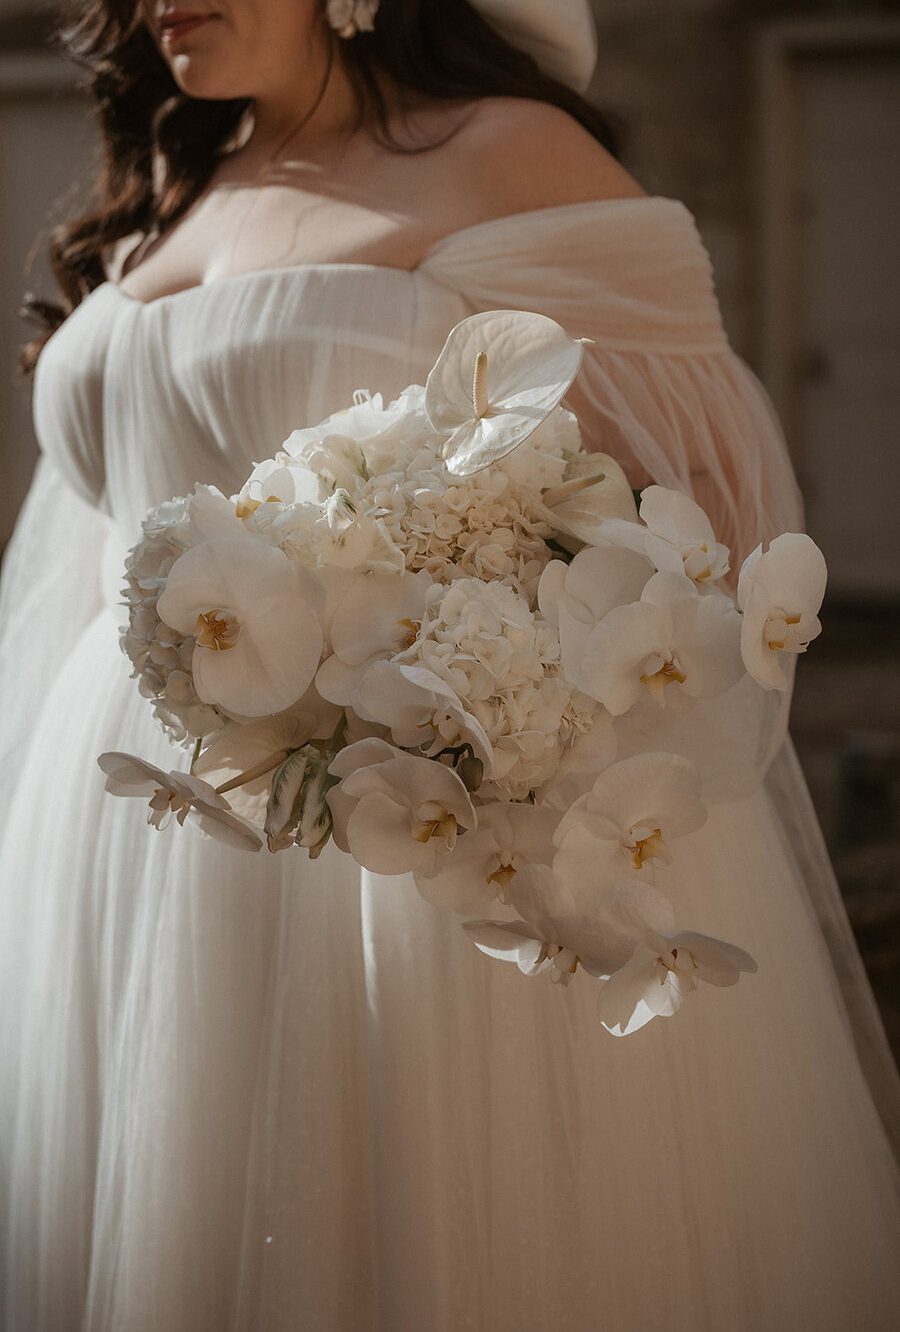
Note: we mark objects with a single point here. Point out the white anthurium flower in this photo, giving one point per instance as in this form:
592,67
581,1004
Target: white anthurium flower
510,839
178,794
577,597
500,374
593,491
277,480
673,643
421,710
662,972
624,825
378,616
676,535
780,592
254,615
395,812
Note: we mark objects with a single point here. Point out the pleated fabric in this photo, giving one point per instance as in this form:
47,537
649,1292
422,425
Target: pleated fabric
267,1093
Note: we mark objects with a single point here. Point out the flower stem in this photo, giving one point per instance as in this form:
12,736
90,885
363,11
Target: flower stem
258,770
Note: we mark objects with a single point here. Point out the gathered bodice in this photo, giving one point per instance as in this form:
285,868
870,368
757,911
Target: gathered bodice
137,401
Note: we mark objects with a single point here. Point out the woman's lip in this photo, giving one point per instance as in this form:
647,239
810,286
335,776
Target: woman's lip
173,32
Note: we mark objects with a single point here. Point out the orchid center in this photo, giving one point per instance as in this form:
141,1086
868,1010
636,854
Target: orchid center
431,820
218,630
165,801
411,633
668,673
563,963
643,844
503,876
678,962
781,633
247,506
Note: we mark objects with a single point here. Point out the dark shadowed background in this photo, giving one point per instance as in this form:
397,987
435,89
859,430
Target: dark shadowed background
777,124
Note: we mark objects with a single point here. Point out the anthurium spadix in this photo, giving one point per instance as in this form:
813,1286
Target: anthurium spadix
500,374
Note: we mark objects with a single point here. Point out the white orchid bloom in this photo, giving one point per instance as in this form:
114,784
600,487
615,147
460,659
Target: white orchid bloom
254,615
624,825
510,839
421,710
377,616
662,972
277,480
780,593
395,812
577,597
594,490
178,794
672,639
500,374
675,534
564,926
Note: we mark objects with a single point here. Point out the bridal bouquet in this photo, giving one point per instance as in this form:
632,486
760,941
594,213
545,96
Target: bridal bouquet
423,629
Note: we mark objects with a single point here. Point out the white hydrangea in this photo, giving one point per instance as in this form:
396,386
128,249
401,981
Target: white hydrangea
483,640
160,657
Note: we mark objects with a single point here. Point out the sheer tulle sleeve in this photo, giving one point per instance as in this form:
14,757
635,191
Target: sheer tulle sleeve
51,590
661,390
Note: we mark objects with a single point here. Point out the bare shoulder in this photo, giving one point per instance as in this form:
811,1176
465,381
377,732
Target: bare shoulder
522,154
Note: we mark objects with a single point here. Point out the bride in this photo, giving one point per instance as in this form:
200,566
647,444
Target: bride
278,1097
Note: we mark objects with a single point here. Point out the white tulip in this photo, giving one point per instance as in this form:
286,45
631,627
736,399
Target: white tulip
500,374
780,593
623,826
178,794
254,615
243,747
395,812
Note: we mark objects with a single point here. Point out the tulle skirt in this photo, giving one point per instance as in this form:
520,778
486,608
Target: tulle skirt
251,1092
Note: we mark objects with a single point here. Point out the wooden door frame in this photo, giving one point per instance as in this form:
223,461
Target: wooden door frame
780,49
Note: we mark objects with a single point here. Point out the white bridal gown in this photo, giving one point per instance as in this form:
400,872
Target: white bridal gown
256,1093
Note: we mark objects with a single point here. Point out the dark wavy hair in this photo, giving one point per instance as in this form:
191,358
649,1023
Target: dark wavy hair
442,50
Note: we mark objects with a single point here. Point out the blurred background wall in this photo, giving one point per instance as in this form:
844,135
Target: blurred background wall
777,124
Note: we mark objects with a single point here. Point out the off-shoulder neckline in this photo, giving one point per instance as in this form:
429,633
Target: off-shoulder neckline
461,236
